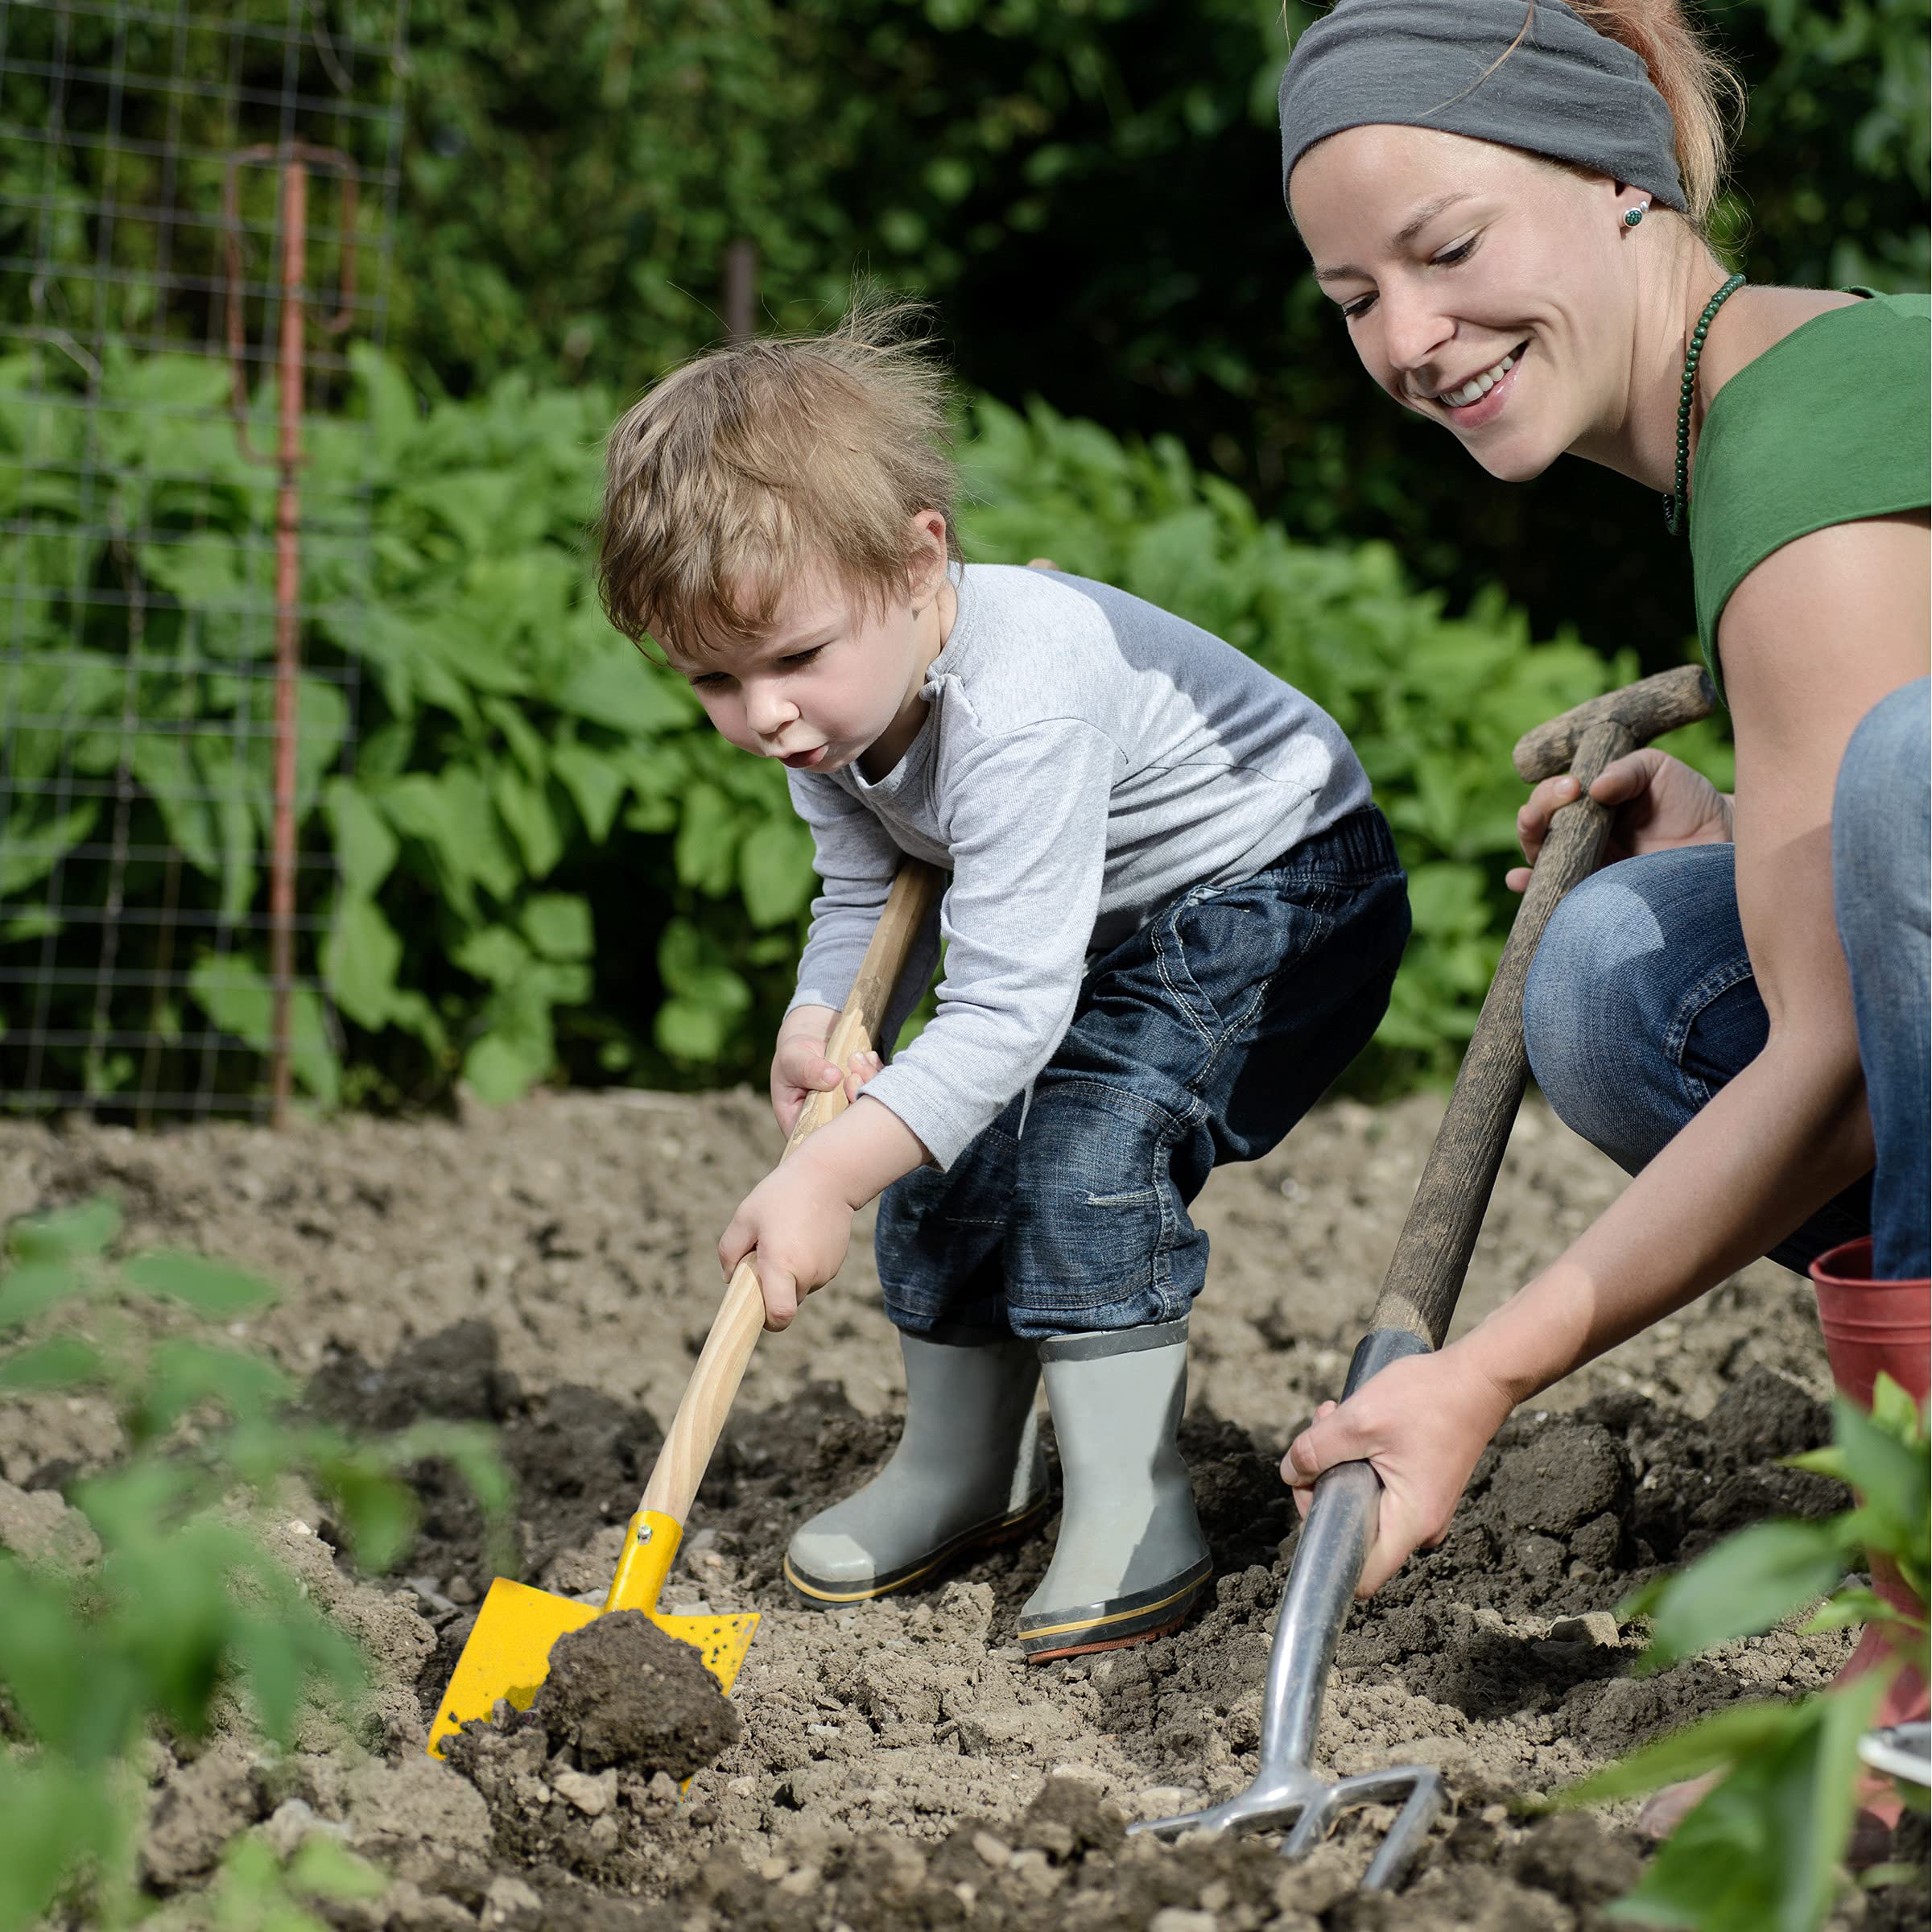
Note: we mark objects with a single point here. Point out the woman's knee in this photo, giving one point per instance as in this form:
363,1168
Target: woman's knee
1577,1008
1622,962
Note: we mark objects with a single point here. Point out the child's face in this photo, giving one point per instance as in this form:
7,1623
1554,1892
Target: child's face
835,677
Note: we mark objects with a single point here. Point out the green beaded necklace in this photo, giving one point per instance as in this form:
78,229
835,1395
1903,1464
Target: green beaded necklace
1674,503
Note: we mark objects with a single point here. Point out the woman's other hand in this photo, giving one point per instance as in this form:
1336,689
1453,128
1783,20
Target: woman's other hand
1659,801
1421,1423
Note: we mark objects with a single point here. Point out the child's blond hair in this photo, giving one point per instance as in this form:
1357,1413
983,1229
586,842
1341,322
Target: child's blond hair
755,463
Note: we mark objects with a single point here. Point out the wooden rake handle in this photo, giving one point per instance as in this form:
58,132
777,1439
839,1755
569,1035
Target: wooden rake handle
735,1329
1432,1254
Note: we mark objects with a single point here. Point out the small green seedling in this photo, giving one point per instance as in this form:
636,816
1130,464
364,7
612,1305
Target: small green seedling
181,1603
1762,1851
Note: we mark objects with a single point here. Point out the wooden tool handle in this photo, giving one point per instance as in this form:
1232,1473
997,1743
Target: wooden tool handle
1432,1254
1647,710
734,1331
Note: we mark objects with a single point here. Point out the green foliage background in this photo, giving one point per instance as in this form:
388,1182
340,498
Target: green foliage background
1088,188
549,862
1091,191
547,866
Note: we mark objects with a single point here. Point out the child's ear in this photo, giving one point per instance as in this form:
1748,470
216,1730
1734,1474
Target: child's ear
927,555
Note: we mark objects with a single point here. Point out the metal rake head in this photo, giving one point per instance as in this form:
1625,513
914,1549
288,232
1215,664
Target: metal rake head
1327,1565
1308,1804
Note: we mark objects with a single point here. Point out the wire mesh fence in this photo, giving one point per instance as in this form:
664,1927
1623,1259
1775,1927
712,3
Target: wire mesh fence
196,211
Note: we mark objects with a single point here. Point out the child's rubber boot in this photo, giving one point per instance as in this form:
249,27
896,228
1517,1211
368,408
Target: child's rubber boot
1131,1560
968,1472
1869,1326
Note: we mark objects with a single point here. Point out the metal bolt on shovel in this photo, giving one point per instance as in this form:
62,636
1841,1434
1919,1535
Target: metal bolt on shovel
1413,1312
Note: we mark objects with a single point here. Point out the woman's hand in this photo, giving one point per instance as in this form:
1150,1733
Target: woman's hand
1659,801
1422,1422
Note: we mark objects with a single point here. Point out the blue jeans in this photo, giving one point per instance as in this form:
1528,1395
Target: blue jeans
1203,1037
1641,1001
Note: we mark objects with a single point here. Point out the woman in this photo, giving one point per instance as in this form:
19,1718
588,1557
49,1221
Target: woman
1504,198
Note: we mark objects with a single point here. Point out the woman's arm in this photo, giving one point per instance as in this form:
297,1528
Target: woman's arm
1813,639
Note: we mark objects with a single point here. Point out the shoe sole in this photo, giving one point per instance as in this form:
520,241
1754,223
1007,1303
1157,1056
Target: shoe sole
1116,1624
988,1535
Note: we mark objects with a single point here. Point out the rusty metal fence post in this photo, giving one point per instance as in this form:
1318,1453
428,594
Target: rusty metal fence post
294,160
162,902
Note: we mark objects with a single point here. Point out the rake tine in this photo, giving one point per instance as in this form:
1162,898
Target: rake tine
1312,1826
1405,1835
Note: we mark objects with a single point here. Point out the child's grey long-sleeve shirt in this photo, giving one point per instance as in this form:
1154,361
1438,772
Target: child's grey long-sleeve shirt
1086,759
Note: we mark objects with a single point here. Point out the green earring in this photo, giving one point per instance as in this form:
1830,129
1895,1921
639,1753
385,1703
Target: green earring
1632,215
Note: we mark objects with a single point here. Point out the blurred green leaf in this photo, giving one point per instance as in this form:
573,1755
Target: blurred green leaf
66,1233
181,1375
210,1288
557,925
236,995
28,1288
1761,1851
62,1361
1750,1582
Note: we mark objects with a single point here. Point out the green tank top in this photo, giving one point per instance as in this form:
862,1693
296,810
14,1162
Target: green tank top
1826,427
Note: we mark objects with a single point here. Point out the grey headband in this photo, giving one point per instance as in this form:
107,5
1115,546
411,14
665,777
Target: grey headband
1562,89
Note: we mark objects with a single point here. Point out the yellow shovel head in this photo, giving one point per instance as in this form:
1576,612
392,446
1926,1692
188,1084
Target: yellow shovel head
508,1652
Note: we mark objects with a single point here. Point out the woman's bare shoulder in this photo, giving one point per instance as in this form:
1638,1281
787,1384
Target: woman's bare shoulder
1761,318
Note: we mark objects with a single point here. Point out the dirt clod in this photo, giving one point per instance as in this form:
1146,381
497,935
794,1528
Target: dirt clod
622,1692
1565,1475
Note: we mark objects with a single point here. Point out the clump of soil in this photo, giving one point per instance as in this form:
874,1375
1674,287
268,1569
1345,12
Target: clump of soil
622,1692
626,1711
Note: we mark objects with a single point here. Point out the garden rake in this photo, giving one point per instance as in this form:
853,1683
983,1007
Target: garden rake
1418,1299
508,1652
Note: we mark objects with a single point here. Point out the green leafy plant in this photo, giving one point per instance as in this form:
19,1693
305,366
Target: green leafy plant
1764,1847
574,172
179,1605
546,863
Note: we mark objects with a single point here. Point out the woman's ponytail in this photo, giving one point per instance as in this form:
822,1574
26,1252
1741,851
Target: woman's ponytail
1705,98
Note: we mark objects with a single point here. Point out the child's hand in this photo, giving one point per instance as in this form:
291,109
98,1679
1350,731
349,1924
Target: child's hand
1422,1422
799,1068
801,1229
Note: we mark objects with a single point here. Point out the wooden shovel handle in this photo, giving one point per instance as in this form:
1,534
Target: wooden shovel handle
1432,1253
734,1331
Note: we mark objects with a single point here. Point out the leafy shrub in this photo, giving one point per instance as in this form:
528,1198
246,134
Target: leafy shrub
184,1605
574,170
546,861
1763,1848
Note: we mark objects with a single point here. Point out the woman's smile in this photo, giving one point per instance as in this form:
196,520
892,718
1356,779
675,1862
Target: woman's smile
1481,399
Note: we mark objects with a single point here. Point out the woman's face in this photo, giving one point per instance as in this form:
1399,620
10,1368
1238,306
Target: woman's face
1486,290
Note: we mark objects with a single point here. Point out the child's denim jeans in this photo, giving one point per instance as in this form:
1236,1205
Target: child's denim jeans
1641,1002
1203,1037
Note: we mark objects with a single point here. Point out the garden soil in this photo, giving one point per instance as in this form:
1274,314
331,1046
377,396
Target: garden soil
550,1268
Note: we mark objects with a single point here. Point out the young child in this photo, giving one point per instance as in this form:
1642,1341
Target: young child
1174,917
